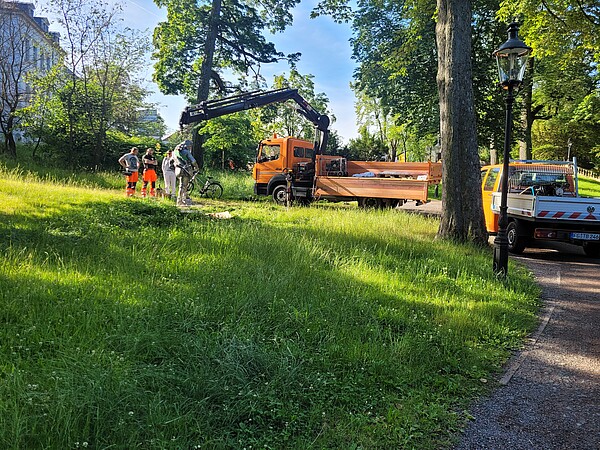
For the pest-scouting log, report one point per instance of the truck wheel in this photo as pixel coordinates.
(591, 249)
(369, 203)
(279, 194)
(516, 240)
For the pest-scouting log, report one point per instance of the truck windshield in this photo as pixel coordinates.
(269, 152)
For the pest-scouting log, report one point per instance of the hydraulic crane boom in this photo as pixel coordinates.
(256, 99)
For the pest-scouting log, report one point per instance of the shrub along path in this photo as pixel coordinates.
(551, 401)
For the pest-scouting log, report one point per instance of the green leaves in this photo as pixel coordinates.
(231, 137)
(282, 118)
(565, 36)
(240, 46)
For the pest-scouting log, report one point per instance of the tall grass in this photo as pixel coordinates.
(588, 187)
(126, 323)
(236, 185)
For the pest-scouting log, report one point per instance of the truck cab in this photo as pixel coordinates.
(490, 183)
(275, 158)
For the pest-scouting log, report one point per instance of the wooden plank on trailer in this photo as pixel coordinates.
(371, 188)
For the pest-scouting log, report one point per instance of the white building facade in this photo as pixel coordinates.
(26, 47)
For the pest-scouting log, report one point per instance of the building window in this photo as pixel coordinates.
(27, 50)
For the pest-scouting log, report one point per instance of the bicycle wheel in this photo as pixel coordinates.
(213, 190)
(190, 187)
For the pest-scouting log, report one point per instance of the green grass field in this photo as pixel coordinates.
(588, 187)
(126, 323)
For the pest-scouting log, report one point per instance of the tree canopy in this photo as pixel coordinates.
(565, 37)
(90, 109)
(241, 47)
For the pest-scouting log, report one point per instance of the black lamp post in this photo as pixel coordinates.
(512, 62)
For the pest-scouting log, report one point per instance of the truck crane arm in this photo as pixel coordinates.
(216, 108)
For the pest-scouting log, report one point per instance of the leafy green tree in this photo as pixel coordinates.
(565, 36)
(587, 118)
(99, 88)
(85, 26)
(564, 28)
(334, 143)
(282, 118)
(230, 138)
(395, 47)
(394, 44)
(201, 40)
(389, 128)
(37, 119)
(366, 147)
(58, 117)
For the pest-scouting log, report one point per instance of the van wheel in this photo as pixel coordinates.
(279, 194)
(516, 240)
(591, 249)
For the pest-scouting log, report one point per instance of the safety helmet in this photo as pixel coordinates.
(186, 144)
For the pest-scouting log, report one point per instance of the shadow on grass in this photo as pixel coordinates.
(141, 324)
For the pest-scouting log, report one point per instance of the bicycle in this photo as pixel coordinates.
(211, 189)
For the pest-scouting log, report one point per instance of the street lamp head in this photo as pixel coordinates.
(512, 59)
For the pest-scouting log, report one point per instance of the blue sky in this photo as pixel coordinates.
(325, 49)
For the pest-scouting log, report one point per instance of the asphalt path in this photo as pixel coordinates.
(548, 396)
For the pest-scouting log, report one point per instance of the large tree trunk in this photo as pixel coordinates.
(393, 150)
(205, 73)
(462, 210)
(527, 114)
(9, 136)
(11, 145)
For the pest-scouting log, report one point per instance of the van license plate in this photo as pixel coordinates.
(585, 236)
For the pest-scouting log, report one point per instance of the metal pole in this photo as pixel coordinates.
(501, 241)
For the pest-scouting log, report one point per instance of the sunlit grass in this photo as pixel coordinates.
(127, 323)
(236, 185)
(588, 187)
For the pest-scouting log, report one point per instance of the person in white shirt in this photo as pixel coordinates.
(168, 170)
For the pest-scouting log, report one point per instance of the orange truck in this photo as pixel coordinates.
(371, 183)
(543, 205)
(289, 168)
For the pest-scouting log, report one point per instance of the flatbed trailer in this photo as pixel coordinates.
(385, 184)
